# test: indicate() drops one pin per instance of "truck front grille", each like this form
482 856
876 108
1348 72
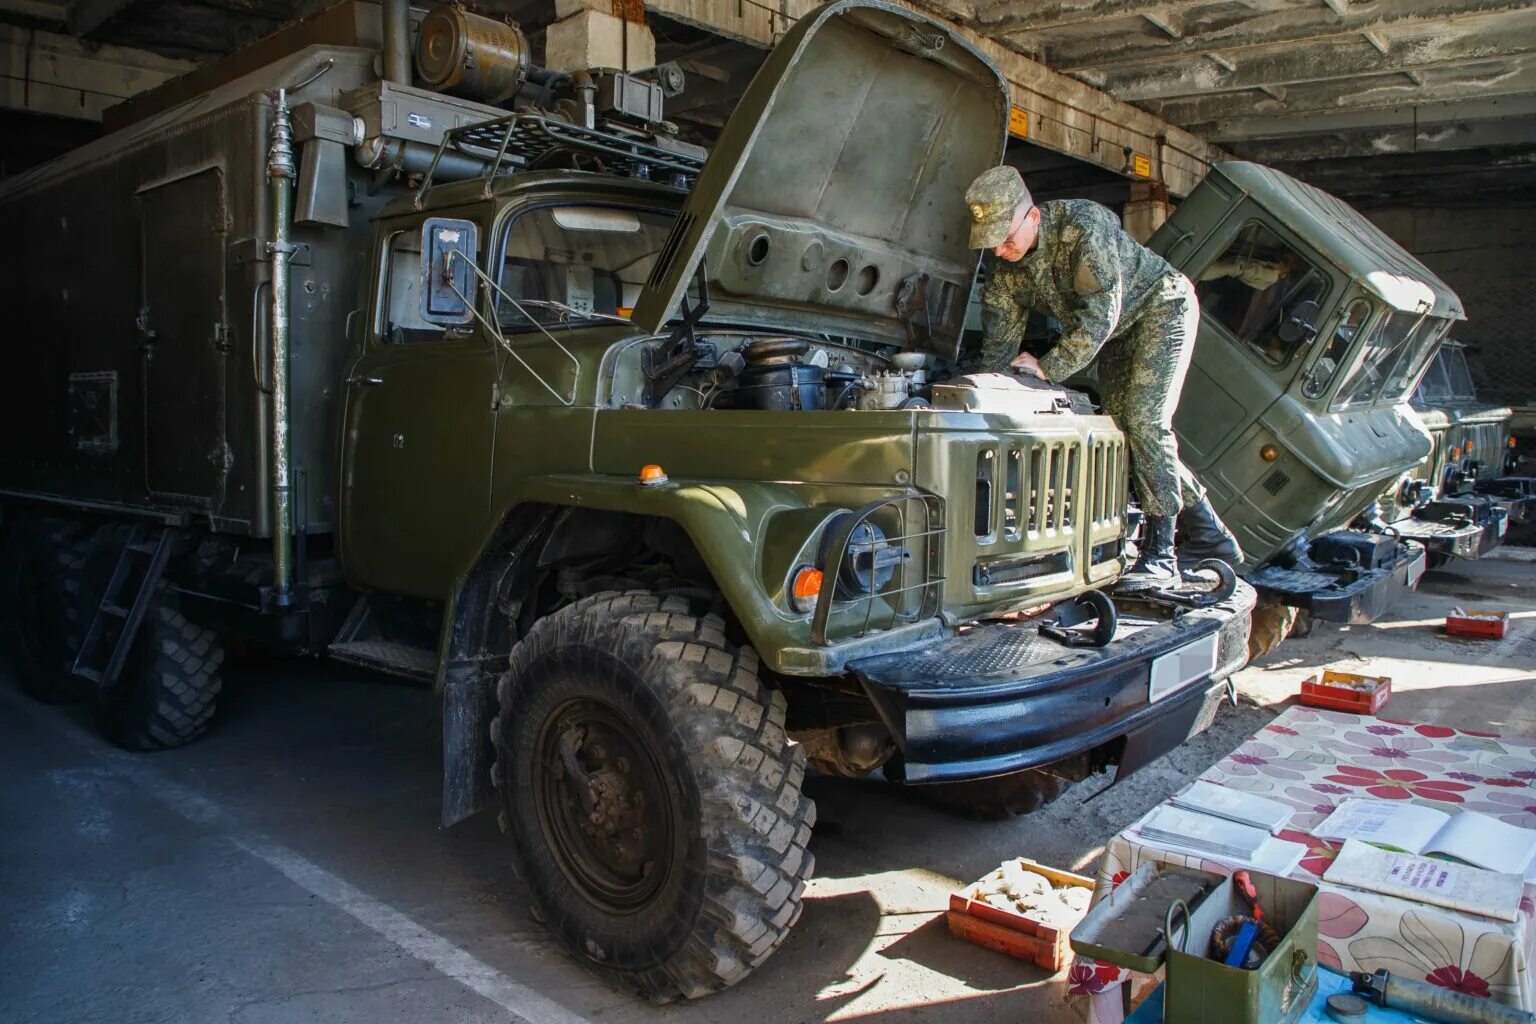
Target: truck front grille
1106 480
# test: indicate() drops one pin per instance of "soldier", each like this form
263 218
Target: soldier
1121 302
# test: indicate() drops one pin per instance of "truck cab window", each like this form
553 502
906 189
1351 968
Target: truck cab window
1393 358
1435 388
1345 332
1251 287
574 264
402 292
1457 374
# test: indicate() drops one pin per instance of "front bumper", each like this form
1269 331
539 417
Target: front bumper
1350 595
1003 698
1515 494
1446 540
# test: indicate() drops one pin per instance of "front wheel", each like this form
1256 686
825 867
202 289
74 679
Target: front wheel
651 795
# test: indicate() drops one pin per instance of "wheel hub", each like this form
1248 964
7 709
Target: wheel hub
603 804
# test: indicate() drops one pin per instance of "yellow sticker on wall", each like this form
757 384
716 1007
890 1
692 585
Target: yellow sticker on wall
1018 122
1141 166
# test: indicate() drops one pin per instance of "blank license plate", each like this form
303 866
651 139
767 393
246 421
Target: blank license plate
1175 670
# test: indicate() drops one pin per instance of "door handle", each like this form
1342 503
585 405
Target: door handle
364 380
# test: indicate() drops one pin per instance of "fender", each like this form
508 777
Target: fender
725 523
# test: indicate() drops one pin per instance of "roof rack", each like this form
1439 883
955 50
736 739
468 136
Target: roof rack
518 142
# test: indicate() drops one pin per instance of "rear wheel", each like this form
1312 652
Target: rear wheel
169 688
44 560
651 795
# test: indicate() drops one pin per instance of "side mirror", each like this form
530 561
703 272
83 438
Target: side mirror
1299 322
448 250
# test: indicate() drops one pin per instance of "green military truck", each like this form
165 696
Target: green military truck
1314 329
1461 501
657 468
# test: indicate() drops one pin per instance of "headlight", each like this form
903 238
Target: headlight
869 561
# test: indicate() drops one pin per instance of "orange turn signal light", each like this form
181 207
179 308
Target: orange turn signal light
1511 442
1269 453
1468 448
806 586
626 311
652 475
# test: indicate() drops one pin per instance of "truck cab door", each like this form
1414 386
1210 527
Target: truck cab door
1260 295
419 427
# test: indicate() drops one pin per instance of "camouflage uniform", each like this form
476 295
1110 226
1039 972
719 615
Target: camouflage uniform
1115 299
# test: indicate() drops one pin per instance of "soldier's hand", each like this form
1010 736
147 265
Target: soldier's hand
1026 363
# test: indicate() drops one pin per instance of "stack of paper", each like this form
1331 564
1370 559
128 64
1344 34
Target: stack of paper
1427 880
1234 805
1183 831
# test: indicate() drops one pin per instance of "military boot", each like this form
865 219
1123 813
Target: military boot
1202 534
1157 567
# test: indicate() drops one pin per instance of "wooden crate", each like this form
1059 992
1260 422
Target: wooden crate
1346 691
1007 932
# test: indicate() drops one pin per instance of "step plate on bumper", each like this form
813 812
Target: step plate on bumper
1352 596
1002 698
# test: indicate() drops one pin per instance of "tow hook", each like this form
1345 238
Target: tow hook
1226 586
1090 605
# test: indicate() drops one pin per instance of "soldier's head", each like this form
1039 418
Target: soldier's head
1004 218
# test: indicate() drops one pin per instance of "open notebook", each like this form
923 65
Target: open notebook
1468 836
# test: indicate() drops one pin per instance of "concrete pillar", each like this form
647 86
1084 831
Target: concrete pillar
599 34
1147 209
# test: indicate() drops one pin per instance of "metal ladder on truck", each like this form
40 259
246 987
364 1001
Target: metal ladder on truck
129 591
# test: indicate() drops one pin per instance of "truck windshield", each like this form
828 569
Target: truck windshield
1458 376
1394 356
564 264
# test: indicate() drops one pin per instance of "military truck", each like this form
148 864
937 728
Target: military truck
1460 501
658 468
1314 329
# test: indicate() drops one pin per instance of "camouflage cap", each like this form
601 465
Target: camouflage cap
993 198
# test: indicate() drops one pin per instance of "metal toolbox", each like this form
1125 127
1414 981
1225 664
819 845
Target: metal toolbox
1202 991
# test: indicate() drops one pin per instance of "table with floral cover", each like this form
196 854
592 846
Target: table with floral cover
1311 759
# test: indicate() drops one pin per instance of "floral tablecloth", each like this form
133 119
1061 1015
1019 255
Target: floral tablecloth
1312 759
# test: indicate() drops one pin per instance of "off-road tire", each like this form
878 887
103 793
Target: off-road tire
995 799
735 855
169 688
42 571
1272 624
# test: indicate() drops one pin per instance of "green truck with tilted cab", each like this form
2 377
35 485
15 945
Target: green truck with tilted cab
659 469
1315 327
1462 500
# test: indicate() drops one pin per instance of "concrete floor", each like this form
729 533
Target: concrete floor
289 867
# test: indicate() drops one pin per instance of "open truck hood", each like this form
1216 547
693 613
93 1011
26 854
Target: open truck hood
839 182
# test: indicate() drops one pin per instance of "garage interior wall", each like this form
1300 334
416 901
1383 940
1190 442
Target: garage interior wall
1483 253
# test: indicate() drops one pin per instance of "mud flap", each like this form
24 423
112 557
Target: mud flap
469 704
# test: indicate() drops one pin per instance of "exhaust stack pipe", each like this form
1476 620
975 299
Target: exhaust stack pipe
280 175
397 41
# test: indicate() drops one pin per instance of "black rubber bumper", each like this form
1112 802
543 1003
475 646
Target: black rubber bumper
1355 596
1002 698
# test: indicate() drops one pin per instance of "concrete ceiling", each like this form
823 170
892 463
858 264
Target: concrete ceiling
1439 96
1303 82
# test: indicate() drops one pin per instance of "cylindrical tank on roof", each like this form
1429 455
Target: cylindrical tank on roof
466 55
